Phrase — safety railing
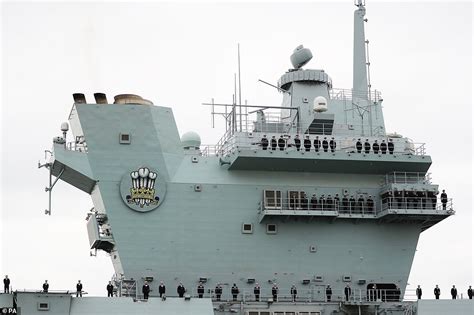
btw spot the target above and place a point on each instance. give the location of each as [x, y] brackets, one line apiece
[349, 94]
[416, 203]
[407, 178]
[77, 146]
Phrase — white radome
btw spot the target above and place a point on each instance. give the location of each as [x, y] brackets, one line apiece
[320, 104]
[190, 140]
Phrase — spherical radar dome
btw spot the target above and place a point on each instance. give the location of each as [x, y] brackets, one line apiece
[190, 139]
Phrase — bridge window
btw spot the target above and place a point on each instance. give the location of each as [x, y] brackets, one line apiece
[272, 199]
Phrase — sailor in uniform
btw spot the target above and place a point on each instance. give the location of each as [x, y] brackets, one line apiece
[454, 292]
[304, 201]
[347, 292]
[391, 146]
[235, 291]
[367, 146]
[79, 289]
[145, 290]
[345, 203]
[200, 290]
[376, 147]
[469, 293]
[419, 292]
[359, 146]
[256, 292]
[437, 292]
[383, 147]
[328, 293]
[181, 290]
[218, 291]
[336, 202]
[444, 199]
[317, 144]
[264, 142]
[281, 143]
[275, 292]
[330, 204]
[352, 204]
[332, 145]
[314, 202]
[293, 293]
[360, 204]
[370, 204]
[6, 284]
[325, 145]
[297, 142]
[161, 289]
[307, 144]
[45, 286]
[322, 203]
[273, 143]
[110, 289]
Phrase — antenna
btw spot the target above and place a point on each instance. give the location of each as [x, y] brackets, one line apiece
[240, 88]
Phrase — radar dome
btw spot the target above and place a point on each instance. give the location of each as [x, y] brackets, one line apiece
[300, 56]
[190, 140]
[320, 104]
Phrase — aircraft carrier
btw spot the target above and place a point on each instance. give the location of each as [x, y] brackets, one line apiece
[309, 207]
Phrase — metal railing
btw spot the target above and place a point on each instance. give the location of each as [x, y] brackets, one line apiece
[349, 94]
[76, 146]
[407, 178]
[416, 203]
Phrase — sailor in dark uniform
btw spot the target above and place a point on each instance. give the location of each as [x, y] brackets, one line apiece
[297, 142]
[332, 145]
[264, 142]
[367, 146]
[281, 143]
[45, 286]
[145, 290]
[370, 204]
[419, 292]
[317, 144]
[293, 293]
[181, 290]
[322, 203]
[437, 292]
[454, 292]
[337, 202]
[218, 291]
[391, 146]
[444, 199]
[469, 293]
[399, 198]
[307, 144]
[329, 203]
[347, 292]
[345, 203]
[79, 289]
[360, 204]
[200, 290]
[275, 292]
[325, 145]
[352, 204]
[161, 289]
[6, 284]
[304, 201]
[383, 147]
[359, 146]
[314, 202]
[235, 291]
[273, 143]
[328, 293]
[256, 292]
[110, 289]
[376, 147]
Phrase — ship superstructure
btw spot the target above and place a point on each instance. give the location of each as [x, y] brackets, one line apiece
[313, 194]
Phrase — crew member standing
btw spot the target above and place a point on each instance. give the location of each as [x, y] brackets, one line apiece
[370, 204]
[437, 292]
[317, 144]
[328, 293]
[6, 284]
[297, 142]
[367, 146]
[337, 202]
[376, 147]
[314, 202]
[110, 289]
[391, 146]
[418, 292]
[347, 292]
[325, 145]
[281, 143]
[332, 145]
[145, 290]
[307, 144]
[275, 292]
[79, 288]
[469, 293]
[256, 292]
[45, 286]
[161, 289]
[235, 291]
[273, 143]
[181, 290]
[444, 199]
[454, 292]
[359, 146]
[293, 293]
[218, 291]
[200, 290]
[352, 204]
[264, 142]
[383, 147]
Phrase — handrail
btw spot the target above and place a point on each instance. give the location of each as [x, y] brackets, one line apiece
[76, 146]
[407, 178]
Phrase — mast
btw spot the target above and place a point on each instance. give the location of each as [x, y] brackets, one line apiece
[359, 79]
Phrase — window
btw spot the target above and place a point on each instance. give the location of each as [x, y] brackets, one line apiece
[247, 228]
[272, 199]
[124, 138]
[43, 306]
[271, 228]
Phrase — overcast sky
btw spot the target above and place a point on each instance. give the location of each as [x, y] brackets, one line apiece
[180, 55]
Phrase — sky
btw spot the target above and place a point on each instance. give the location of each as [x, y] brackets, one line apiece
[182, 54]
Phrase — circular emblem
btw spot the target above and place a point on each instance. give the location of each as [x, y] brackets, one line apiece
[143, 189]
